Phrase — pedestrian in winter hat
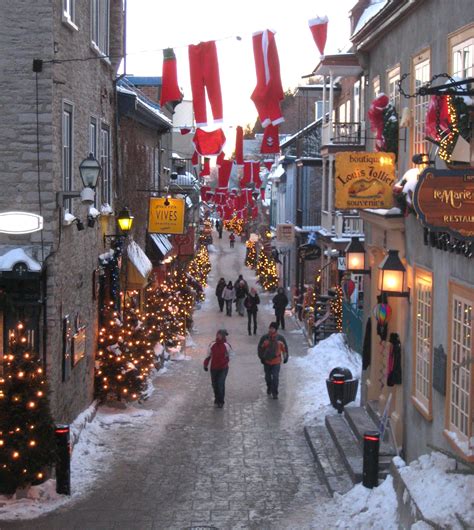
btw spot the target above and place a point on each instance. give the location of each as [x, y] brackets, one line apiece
[272, 351]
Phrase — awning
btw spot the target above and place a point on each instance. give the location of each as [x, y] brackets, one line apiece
[138, 267]
[162, 243]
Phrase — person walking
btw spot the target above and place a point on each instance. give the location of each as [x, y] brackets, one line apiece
[272, 351]
[280, 301]
[219, 289]
[219, 228]
[241, 279]
[231, 240]
[240, 294]
[228, 294]
[217, 361]
[251, 304]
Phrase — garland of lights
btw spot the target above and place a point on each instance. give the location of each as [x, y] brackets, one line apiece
[448, 140]
[27, 445]
[235, 225]
[336, 308]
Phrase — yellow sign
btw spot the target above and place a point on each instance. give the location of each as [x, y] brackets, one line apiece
[364, 180]
[166, 216]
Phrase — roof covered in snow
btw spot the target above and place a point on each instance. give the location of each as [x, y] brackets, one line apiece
[369, 13]
[18, 255]
[139, 259]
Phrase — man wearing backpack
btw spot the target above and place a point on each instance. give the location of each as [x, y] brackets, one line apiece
[272, 351]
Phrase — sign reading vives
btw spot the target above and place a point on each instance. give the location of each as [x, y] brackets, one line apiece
[166, 216]
[364, 180]
[444, 201]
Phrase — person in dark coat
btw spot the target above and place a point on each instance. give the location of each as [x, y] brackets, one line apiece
[217, 361]
[272, 351]
[280, 301]
[232, 239]
[219, 289]
[251, 304]
[240, 294]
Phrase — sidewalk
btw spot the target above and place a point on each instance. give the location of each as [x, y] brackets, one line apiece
[247, 465]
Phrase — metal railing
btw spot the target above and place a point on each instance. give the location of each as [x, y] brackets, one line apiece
[343, 133]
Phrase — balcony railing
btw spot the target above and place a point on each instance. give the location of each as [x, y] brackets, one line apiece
[342, 133]
[348, 225]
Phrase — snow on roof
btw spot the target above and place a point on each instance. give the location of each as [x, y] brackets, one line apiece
[18, 255]
[369, 12]
[392, 212]
[144, 80]
[139, 259]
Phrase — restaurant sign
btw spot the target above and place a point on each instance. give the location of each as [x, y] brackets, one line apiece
[166, 216]
[444, 201]
[364, 180]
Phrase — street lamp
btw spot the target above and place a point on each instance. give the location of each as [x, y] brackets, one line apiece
[89, 169]
[355, 257]
[125, 220]
[392, 276]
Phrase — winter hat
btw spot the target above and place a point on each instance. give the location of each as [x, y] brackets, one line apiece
[222, 332]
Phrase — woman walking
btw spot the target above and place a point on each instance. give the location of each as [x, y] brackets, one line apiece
[228, 294]
[217, 361]
[251, 304]
[219, 289]
[280, 301]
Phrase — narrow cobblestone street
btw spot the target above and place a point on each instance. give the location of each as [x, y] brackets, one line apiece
[244, 466]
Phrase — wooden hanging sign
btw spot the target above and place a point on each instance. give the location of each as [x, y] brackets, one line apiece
[444, 201]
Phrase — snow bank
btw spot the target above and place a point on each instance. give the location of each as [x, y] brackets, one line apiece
[439, 494]
[313, 397]
[366, 508]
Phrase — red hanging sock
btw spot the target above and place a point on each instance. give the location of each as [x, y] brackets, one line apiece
[170, 92]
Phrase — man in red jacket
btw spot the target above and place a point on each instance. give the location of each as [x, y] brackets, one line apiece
[217, 361]
[272, 351]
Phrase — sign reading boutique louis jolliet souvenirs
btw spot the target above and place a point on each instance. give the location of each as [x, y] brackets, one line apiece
[444, 201]
[364, 180]
[166, 216]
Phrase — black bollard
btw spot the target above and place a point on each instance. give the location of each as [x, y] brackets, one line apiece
[338, 380]
[63, 460]
[370, 472]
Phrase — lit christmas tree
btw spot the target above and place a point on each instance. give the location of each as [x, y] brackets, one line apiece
[116, 374]
[336, 308]
[267, 272]
[251, 254]
[27, 444]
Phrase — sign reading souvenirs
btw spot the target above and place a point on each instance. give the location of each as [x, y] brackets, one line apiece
[285, 233]
[166, 216]
[364, 180]
[444, 201]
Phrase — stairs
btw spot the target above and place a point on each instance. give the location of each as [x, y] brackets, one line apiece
[345, 433]
[327, 326]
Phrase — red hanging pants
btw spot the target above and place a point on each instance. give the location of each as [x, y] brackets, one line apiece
[268, 93]
[204, 71]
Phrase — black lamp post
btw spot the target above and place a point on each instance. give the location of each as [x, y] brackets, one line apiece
[89, 169]
[392, 276]
[124, 223]
[355, 257]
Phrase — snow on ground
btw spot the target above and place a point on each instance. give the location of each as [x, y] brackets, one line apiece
[92, 455]
[316, 365]
[365, 508]
[439, 494]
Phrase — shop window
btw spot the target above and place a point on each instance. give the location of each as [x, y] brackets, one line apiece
[421, 75]
[459, 425]
[393, 76]
[422, 343]
[461, 52]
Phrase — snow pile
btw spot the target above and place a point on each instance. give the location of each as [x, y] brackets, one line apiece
[365, 508]
[438, 494]
[316, 365]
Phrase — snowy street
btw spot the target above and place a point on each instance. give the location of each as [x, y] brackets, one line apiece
[188, 463]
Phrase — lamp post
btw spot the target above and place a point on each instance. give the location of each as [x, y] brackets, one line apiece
[124, 223]
[355, 257]
[392, 276]
[89, 169]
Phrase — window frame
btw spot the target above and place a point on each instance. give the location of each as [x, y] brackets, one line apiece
[465, 294]
[94, 148]
[376, 88]
[418, 126]
[100, 27]
[105, 164]
[393, 76]
[424, 408]
[455, 40]
[67, 180]
[69, 13]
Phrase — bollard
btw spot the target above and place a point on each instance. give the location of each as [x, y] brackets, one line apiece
[63, 460]
[370, 472]
[338, 382]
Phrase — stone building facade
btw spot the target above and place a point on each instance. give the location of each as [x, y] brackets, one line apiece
[52, 119]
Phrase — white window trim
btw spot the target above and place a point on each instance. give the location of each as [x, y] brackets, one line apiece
[95, 46]
[69, 14]
[69, 105]
[106, 127]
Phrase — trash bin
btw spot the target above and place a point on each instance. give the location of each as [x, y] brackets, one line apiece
[342, 387]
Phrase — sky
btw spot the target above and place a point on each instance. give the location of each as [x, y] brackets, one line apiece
[152, 27]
